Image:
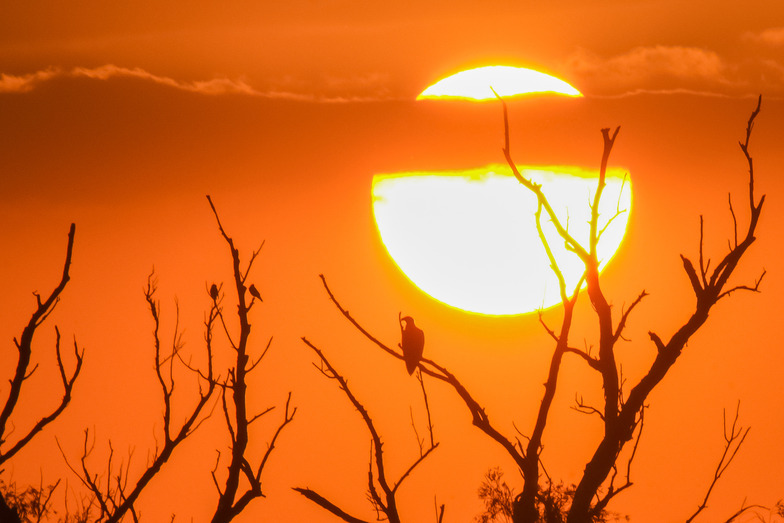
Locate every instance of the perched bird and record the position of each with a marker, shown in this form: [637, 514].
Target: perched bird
[214, 292]
[255, 292]
[412, 343]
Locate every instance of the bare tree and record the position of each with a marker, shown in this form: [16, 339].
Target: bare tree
[382, 492]
[112, 495]
[234, 396]
[545, 496]
[24, 345]
[622, 412]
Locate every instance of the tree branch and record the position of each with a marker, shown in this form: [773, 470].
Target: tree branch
[25, 350]
[377, 444]
[388, 505]
[429, 367]
[708, 290]
[230, 503]
[734, 436]
[328, 505]
[116, 501]
[571, 243]
[625, 316]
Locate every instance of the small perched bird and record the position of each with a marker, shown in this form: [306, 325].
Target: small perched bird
[214, 292]
[255, 292]
[412, 343]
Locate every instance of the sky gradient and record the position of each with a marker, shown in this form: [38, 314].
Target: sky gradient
[120, 117]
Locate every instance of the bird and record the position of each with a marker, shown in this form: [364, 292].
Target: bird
[255, 292]
[214, 292]
[412, 343]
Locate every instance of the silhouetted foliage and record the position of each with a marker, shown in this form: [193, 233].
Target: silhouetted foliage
[33, 504]
[497, 497]
[552, 501]
[26, 504]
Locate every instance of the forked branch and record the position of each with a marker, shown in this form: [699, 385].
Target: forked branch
[377, 475]
[24, 345]
[428, 367]
[112, 494]
[734, 436]
[709, 287]
[232, 500]
[570, 242]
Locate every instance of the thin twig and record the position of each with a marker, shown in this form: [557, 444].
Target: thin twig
[734, 436]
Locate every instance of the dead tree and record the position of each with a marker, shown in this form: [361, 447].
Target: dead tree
[525, 505]
[24, 347]
[381, 491]
[622, 412]
[112, 495]
[234, 397]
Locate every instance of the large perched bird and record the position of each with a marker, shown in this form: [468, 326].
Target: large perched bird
[412, 343]
[214, 292]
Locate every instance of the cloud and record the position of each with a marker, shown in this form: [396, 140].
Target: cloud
[653, 68]
[24, 83]
[214, 87]
[643, 63]
[773, 37]
[690, 92]
[27, 82]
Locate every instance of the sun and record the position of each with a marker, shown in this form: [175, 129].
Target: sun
[469, 240]
[478, 84]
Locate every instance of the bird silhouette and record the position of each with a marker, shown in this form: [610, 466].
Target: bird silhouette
[214, 292]
[412, 343]
[255, 292]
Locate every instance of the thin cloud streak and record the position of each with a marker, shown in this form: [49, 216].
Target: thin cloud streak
[665, 70]
[215, 87]
[27, 82]
[210, 87]
[642, 64]
[669, 92]
[773, 37]
[659, 70]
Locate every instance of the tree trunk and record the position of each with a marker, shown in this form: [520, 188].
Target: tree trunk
[7, 514]
[524, 508]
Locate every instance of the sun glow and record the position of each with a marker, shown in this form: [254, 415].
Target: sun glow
[479, 84]
[469, 239]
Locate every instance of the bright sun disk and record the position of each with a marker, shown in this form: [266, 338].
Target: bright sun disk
[478, 84]
[469, 239]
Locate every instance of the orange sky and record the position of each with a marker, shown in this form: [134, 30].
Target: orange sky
[121, 117]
